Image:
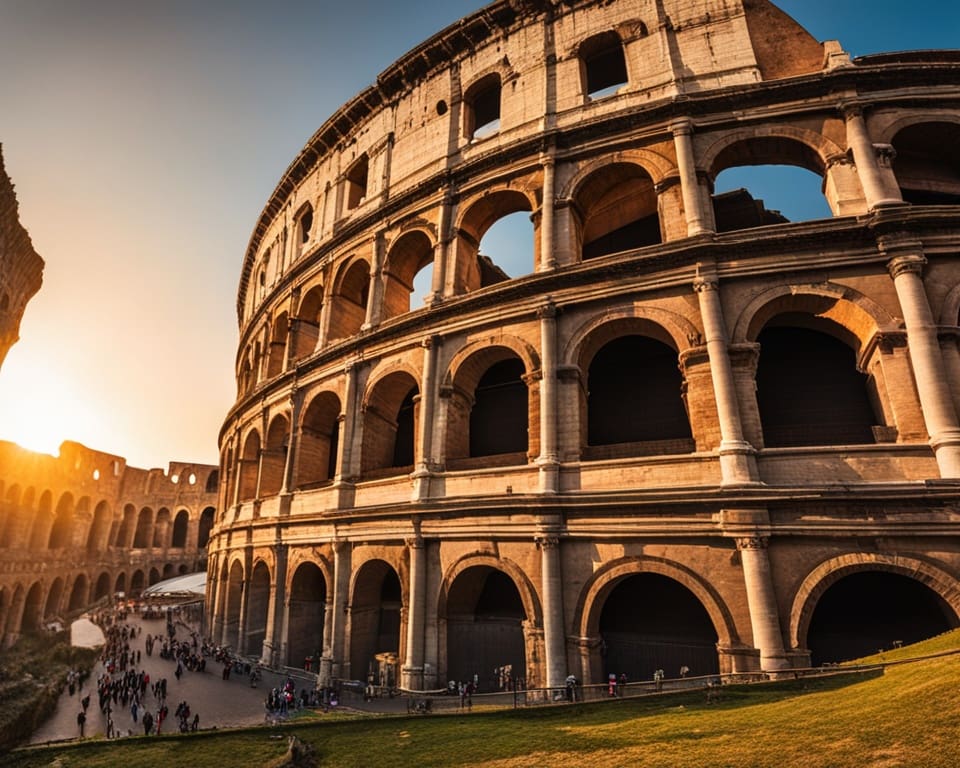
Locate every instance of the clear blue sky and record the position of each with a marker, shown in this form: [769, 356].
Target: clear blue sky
[144, 138]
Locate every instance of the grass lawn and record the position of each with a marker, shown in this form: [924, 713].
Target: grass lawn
[907, 716]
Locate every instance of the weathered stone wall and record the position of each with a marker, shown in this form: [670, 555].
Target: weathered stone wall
[755, 518]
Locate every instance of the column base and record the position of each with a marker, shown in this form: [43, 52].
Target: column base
[946, 449]
[549, 475]
[738, 463]
[411, 678]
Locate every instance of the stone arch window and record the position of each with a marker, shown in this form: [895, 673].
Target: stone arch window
[99, 529]
[213, 481]
[39, 534]
[634, 400]
[127, 523]
[308, 595]
[390, 415]
[618, 211]
[481, 115]
[143, 534]
[374, 618]
[490, 415]
[409, 256]
[278, 345]
[474, 269]
[161, 528]
[249, 465]
[62, 529]
[263, 277]
[308, 323]
[809, 391]
[787, 173]
[319, 441]
[303, 229]
[257, 609]
[180, 525]
[275, 456]
[349, 300]
[927, 163]
[356, 179]
[206, 525]
[603, 66]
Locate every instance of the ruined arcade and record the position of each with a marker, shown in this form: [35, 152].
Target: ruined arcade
[693, 434]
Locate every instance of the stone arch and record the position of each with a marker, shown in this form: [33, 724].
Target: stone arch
[832, 570]
[772, 144]
[121, 583]
[306, 321]
[233, 584]
[205, 526]
[318, 445]
[33, 608]
[43, 521]
[102, 587]
[258, 606]
[249, 466]
[180, 527]
[54, 599]
[137, 582]
[276, 354]
[142, 537]
[408, 254]
[99, 532]
[377, 598]
[528, 592]
[390, 412]
[654, 164]
[348, 302]
[859, 315]
[307, 612]
[926, 160]
[79, 594]
[274, 455]
[161, 529]
[476, 215]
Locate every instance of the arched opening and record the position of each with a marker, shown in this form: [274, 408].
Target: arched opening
[308, 599]
[650, 622]
[231, 613]
[809, 391]
[249, 467]
[481, 114]
[410, 255]
[182, 570]
[349, 302]
[167, 571]
[356, 180]
[619, 209]
[137, 583]
[274, 458]
[78, 595]
[767, 180]
[100, 529]
[144, 533]
[213, 481]
[125, 531]
[278, 345]
[180, 524]
[303, 229]
[161, 528]
[319, 441]
[307, 323]
[495, 240]
[603, 67]
[389, 425]
[102, 588]
[485, 618]
[206, 524]
[121, 585]
[635, 401]
[869, 611]
[40, 532]
[54, 596]
[32, 609]
[498, 419]
[258, 605]
[374, 619]
[60, 533]
[927, 163]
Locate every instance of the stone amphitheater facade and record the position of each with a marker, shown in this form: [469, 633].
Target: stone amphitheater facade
[695, 434]
[21, 268]
[82, 526]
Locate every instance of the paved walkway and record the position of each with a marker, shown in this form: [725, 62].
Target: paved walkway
[220, 703]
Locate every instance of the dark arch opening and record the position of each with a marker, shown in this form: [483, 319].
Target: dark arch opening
[206, 524]
[927, 163]
[485, 618]
[375, 624]
[498, 419]
[103, 586]
[78, 594]
[635, 397]
[308, 598]
[809, 390]
[869, 611]
[620, 211]
[649, 622]
[180, 529]
[258, 609]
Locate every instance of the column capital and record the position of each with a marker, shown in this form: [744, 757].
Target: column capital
[682, 127]
[547, 540]
[414, 542]
[431, 342]
[547, 310]
[752, 542]
[899, 265]
[706, 283]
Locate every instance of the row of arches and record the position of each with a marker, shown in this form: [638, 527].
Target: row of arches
[616, 204]
[809, 379]
[487, 614]
[34, 523]
[28, 607]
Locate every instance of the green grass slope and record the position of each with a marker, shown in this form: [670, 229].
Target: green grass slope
[906, 716]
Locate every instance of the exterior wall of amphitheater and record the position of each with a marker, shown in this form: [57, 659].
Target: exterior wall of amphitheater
[688, 400]
[81, 526]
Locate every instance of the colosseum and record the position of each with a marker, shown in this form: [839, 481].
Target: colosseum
[692, 433]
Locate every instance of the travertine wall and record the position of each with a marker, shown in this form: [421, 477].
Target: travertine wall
[754, 519]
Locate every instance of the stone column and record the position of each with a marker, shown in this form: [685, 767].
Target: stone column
[375, 294]
[334, 630]
[296, 401]
[412, 671]
[548, 261]
[762, 602]
[697, 221]
[441, 251]
[345, 469]
[425, 422]
[553, 628]
[278, 600]
[939, 414]
[548, 461]
[737, 457]
[865, 159]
